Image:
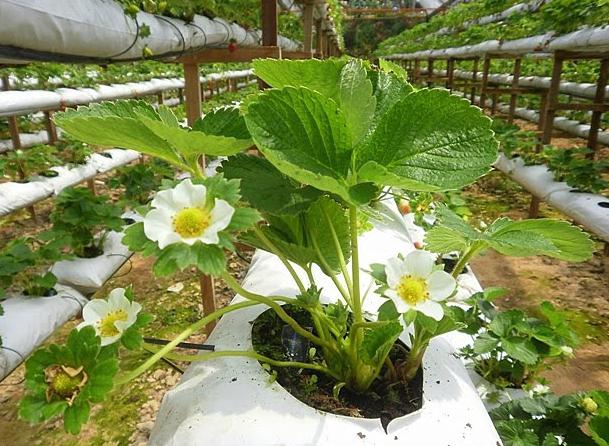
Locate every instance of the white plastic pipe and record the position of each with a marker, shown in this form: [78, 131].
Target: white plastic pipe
[99, 30]
[588, 39]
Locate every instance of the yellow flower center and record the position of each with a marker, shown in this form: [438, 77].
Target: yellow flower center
[106, 325]
[412, 290]
[191, 222]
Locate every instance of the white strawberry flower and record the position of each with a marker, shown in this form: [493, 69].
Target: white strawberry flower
[183, 215]
[111, 317]
[414, 285]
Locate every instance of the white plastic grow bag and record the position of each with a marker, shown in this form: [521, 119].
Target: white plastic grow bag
[99, 29]
[89, 275]
[28, 321]
[229, 401]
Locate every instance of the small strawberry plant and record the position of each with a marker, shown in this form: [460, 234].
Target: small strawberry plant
[512, 348]
[22, 164]
[24, 263]
[83, 219]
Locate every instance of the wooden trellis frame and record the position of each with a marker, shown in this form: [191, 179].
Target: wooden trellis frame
[552, 104]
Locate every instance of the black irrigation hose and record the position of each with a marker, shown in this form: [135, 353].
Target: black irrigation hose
[189, 345]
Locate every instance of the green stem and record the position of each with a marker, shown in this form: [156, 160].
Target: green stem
[339, 252]
[231, 282]
[464, 259]
[356, 299]
[326, 266]
[271, 247]
[179, 338]
[246, 354]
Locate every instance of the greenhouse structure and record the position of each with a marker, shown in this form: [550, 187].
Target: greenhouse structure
[304, 222]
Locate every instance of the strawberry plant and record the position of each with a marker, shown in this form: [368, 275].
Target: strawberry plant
[84, 220]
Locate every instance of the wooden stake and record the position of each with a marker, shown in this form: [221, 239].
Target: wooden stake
[50, 128]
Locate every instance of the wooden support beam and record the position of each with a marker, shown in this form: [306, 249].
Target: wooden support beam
[599, 98]
[296, 55]
[430, 72]
[307, 16]
[223, 55]
[318, 39]
[485, 69]
[50, 127]
[513, 95]
[450, 71]
[208, 296]
[474, 80]
[192, 92]
[269, 22]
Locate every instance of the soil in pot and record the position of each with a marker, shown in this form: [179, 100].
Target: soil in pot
[128, 221]
[106, 154]
[604, 204]
[90, 252]
[383, 400]
[49, 173]
[46, 293]
[450, 263]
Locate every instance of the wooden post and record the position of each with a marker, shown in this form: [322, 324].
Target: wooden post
[599, 98]
[159, 98]
[269, 22]
[429, 72]
[181, 95]
[417, 70]
[307, 16]
[91, 186]
[50, 128]
[318, 39]
[13, 127]
[515, 82]
[450, 72]
[192, 92]
[474, 80]
[485, 69]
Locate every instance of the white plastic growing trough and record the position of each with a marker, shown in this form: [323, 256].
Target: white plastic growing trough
[28, 321]
[229, 401]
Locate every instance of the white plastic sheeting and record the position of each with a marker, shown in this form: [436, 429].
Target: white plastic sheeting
[28, 321]
[14, 196]
[229, 401]
[588, 39]
[583, 208]
[89, 275]
[16, 102]
[99, 30]
[582, 90]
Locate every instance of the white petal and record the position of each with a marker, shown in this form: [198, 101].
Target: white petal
[169, 238]
[209, 237]
[431, 309]
[440, 285]
[117, 299]
[107, 340]
[420, 263]
[157, 223]
[221, 214]
[394, 269]
[190, 195]
[94, 310]
[164, 200]
[400, 305]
